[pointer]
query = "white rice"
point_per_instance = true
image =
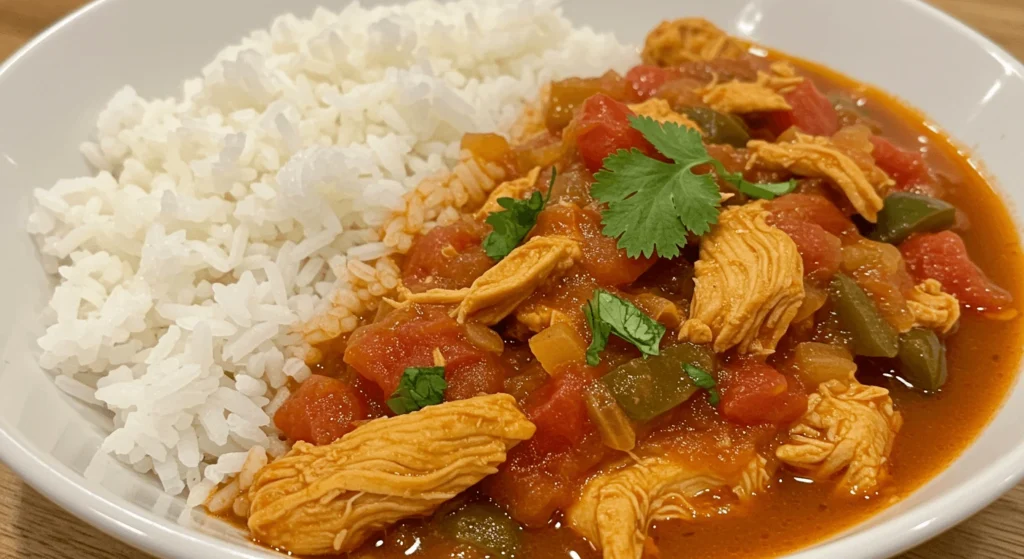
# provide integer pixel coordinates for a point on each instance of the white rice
(218, 220)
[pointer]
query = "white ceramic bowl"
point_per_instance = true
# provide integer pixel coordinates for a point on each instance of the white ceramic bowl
(52, 90)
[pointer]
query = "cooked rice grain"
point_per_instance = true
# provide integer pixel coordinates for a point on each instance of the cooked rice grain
(227, 229)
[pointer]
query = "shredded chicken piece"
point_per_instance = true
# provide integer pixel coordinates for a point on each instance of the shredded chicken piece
(659, 110)
(737, 97)
(688, 40)
(783, 69)
(498, 292)
(754, 478)
(616, 508)
(428, 297)
(328, 499)
(817, 156)
(540, 317)
(749, 284)
(848, 426)
(517, 189)
(932, 307)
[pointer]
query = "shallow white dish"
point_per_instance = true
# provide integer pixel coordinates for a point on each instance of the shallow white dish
(51, 91)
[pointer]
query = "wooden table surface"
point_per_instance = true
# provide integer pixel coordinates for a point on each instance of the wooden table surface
(31, 526)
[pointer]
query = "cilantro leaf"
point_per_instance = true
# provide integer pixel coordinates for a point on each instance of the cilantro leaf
(607, 314)
(704, 380)
(653, 205)
(512, 224)
(418, 388)
(767, 191)
(678, 143)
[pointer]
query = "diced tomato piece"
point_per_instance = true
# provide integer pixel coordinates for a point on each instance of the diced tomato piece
(541, 474)
(754, 393)
(645, 80)
(820, 250)
(447, 257)
(407, 338)
(812, 112)
(907, 168)
(602, 258)
(943, 257)
(813, 209)
(558, 410)
(471, 374)
(532, 485)
(603, 128)
(321, 411)
(565, 97)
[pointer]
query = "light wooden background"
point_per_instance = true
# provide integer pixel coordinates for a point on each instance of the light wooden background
(31, 526)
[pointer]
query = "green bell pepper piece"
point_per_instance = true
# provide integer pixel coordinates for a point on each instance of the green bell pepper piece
(648, 387)
(906, 213)
(485, 527)
(922, 359)
(720, 128)
(858, 315)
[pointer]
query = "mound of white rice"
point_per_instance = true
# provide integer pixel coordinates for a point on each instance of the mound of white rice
(217, 221)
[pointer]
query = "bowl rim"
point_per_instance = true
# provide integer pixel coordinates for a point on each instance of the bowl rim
(131, 524)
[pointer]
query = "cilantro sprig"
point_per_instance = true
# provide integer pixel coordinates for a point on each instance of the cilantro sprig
(652, 205)
(511, 225)
(704, 380)
(419, 387)
(607, 314)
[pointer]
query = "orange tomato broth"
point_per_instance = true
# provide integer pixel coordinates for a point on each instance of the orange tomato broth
(983, 357)
(794, 512)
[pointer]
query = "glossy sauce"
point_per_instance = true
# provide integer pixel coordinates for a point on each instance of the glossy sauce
(983, 357)
(795, 512)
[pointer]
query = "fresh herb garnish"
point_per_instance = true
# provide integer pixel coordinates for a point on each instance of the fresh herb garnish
(418, 388)
(607, 314)
(704, 380)
(512, 224)
(652, 205)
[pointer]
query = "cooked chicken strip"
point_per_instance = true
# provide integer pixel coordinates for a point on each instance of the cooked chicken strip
(328, 499)
(749, 284)
(847, 427)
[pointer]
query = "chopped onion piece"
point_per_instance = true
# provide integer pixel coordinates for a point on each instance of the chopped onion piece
(817, 363)
(484, 338)
(557, 345)
(814, 299)
(611, 421)
(660, 309)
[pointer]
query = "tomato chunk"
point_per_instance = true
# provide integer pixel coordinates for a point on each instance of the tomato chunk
(820, 250)
(813, 209)
(321, 411)
(382, 351)
(645, 80)
(754, 393)
(943, 257)
(541, 475)
(558, 410)
(907, 168)
(603, 128)
(812, 112)
(602, 258)
(448, 257)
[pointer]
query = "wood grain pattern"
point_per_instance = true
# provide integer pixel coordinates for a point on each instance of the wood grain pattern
(31, 526)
